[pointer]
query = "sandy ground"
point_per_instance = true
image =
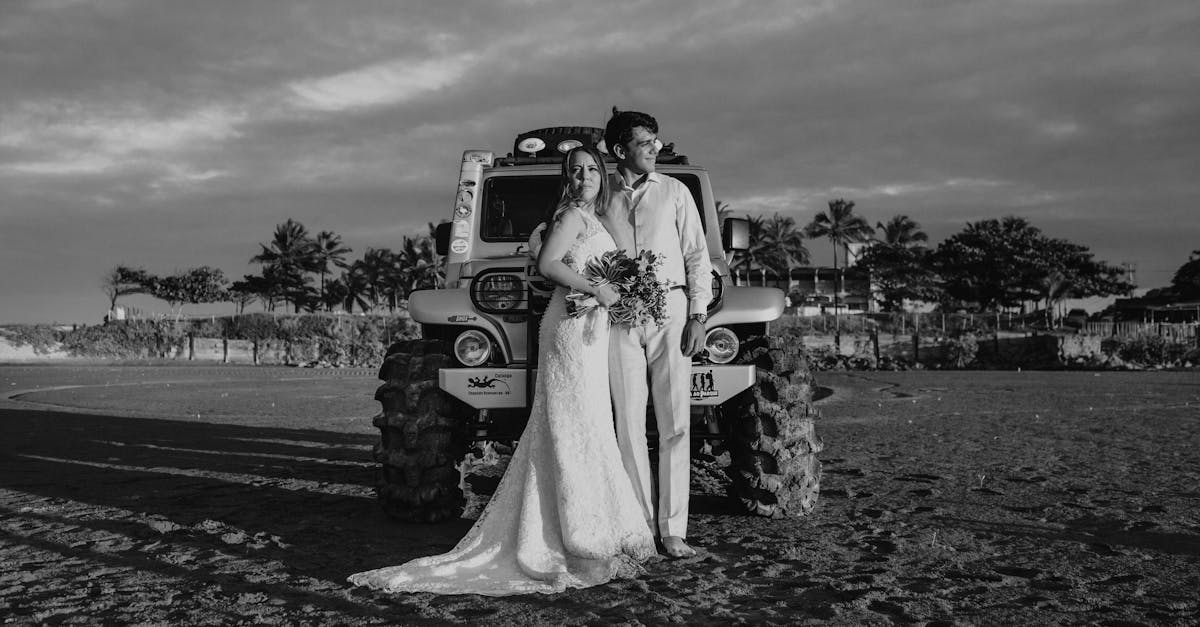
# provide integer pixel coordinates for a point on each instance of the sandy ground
(219, 495)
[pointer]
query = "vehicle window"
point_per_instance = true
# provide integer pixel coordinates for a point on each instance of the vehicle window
(514, 205)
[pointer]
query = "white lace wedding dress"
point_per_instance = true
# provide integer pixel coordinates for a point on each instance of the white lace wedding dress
(564, 515)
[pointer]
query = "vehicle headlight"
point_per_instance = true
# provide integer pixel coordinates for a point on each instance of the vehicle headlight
(722, 345)
(472, 347)
(499, 293)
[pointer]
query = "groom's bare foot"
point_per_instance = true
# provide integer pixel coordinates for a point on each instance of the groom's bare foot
(676, 547)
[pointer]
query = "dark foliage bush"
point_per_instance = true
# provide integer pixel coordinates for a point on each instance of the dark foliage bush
(961, 351)
(207, 328)
(1150, 350)
(128, 340)
(255, 326)
(40, 337)
(331, 339)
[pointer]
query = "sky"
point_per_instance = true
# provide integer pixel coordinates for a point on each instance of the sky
(170, 134)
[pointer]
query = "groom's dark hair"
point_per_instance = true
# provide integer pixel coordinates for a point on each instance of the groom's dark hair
(619, 129)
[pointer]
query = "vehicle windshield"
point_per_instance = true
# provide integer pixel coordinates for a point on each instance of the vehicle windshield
(514, 205)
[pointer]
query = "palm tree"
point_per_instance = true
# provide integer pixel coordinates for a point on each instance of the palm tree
(902, 232)
(289, 256)
(1055, 286)
(372, 276)
(418, 264)
(290, 246)
(358, 288)
(760, 249)
(335, 295)
(328, 249)
(786, 243)
(841, 227)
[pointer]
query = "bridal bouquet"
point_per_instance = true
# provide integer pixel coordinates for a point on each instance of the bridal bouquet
(643, 296)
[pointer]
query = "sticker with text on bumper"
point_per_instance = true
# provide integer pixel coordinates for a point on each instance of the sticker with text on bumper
(500, 388)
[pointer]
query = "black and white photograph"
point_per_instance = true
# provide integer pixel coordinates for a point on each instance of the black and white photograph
(519, 312)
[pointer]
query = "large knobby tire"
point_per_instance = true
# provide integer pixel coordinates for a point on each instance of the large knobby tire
(773, 468)
(423, 434)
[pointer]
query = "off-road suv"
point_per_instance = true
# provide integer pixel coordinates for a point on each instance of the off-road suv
(470, 379)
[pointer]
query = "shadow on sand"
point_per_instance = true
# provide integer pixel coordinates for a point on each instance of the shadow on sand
(294, 503)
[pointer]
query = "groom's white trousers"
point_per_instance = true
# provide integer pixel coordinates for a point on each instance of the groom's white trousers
(631, 351)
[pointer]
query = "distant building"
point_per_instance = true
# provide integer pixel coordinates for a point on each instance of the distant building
(1156, 308)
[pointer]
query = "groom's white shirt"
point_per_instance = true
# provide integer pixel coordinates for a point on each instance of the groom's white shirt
(665, 221)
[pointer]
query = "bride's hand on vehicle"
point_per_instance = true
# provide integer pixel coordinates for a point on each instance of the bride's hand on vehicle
(606, 295)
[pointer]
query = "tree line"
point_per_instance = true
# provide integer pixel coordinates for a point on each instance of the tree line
(991, 264)
(300, 270)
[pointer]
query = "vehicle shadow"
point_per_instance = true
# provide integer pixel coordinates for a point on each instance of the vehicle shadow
(301, 496)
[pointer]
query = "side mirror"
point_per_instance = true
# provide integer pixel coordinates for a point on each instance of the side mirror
(735, 234)
(441, 238)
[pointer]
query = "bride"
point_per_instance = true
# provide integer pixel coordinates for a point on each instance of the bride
(564, 514)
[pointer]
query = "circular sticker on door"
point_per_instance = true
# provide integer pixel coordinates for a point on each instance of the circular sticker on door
(458, 246)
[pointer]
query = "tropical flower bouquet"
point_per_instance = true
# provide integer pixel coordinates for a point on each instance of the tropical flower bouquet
(643, 297)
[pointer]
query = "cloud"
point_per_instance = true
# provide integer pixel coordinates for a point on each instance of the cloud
(814, 199)
(64, 164)
(390, 83)
(71, 138)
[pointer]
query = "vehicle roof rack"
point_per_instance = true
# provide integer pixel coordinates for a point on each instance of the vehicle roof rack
(509, 160)
(547, 146)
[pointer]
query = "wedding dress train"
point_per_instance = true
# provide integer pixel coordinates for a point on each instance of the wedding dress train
(564, 514)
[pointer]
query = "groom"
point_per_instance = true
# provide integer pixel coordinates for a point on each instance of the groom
(660, 216)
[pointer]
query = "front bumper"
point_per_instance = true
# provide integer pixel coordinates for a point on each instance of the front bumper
(499, 388)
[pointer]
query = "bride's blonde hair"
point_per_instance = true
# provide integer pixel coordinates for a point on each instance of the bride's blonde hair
(567, 200)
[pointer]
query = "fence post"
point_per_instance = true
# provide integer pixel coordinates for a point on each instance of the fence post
(191, 347)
